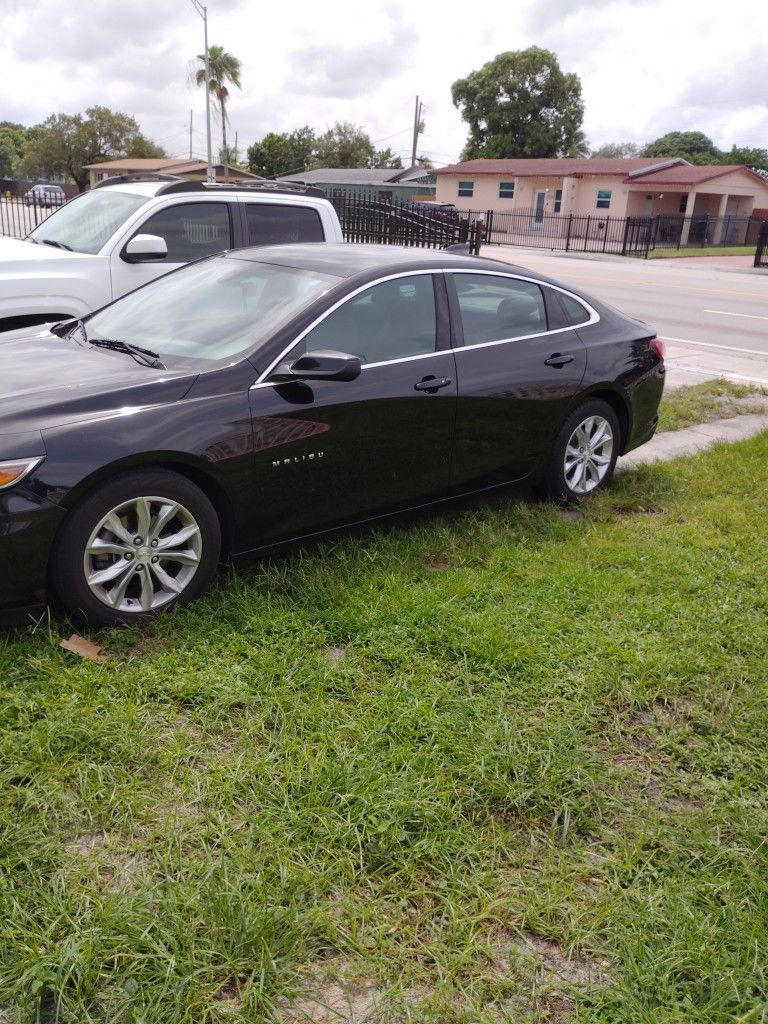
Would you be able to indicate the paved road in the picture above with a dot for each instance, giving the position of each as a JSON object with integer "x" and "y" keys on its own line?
{"x": 714, "y": 319}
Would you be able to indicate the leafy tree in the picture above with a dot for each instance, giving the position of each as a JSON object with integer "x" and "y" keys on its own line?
{"x": 13, "y": 141}
{"x": 521, "y": 104}
{"x": 289, "y": 153}
{"x": 424, "y": 161}
{"x": 223, "y": 67}
{"x": 344, "y": 145}
{"x": 65, "y": 143}
{"x": 8, "y": 157}
{"x": 751, "y": 157}
{"x": 386, "y": 158}
{"x": 696, "y": 147}
{"x": 616, "y": 151}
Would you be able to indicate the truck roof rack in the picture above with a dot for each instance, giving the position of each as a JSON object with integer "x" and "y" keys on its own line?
{"x": 172, "y": 183}
{"x": 123, "y": 179}
{"x": 273, "y": 187}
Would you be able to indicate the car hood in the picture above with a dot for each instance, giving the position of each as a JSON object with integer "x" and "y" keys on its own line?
{"x": 17, "y": 250}
{"x": 46, "y": 381}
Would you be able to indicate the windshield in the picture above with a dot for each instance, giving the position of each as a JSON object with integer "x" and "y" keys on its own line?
{"x": 210, "y": 311}
{"x": 86, "y": 223}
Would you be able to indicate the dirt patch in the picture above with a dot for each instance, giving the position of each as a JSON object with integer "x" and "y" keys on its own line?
{"x": 116, "y": 868}
{"x": 637, "y": 510}
{"x": 335, "y": 996}
{"x": 436, "y": 563}
{"x": 554, "y": 966}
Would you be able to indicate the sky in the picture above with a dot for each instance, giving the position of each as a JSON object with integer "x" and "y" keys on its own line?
{"x": 646, "y": 66}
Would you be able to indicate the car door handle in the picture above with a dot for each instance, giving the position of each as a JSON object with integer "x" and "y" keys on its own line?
{"x": 432, "y": 383}
{"x": 556, "y": 359}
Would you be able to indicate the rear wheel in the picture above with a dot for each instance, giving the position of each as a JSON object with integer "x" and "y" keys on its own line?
{"x": 584, "y": 454}
{"x": 135, "y": 546}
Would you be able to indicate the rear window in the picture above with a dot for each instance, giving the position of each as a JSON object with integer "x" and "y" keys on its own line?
{"x": 268, "y": 224}
{"x": 575, "y": 312}
{"x": 496, "y": 308}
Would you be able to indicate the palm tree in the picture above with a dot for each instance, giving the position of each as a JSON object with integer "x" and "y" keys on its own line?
{"x": 223, "y": 68}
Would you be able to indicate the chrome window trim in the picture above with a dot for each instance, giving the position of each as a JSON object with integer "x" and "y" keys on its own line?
{"x": 594, "y": 318}
{"x": 371, "y": 284}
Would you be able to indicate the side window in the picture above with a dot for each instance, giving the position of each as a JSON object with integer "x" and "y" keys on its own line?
{"x": 576, "y": 313}
{"x": 191, "y": 230}
{"x": 495, "y": 308}
{"x": 268, "y": 223}
{"x": 390, "y": 320}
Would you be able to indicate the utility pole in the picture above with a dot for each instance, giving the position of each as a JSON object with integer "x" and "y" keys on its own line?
{"x": 416, "y": 130}
{"x": 203, "y": 12}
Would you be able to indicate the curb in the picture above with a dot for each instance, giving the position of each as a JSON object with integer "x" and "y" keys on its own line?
{"x": 671, "y": 444}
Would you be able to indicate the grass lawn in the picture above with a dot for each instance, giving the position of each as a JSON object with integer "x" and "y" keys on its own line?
{"x": 504, "y": 765}
{"x": 710, "y": 400}
{"x": 709, "y": 250}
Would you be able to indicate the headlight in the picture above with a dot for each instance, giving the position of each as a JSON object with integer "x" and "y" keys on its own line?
{"x": 13, "y": 472}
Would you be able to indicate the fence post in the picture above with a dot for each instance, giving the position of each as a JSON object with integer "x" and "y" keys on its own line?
{"x": 568, "y": 233}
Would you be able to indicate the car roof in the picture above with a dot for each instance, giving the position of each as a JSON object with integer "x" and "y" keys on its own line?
{"x": 347, "y": 259}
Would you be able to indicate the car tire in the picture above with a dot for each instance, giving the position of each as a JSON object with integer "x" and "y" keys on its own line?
{"x": 584, "y": 453}
{"x": 134, "y": 546}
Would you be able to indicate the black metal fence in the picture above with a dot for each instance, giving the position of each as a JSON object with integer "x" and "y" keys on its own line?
{"x": 625, "y": 236}
{"x": 761, "y": 253}
{"x": 19, "y": 214}
{"x": 400, "y": 223}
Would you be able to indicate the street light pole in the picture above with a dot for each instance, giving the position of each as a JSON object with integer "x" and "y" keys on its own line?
{"x": 203, "y": 12}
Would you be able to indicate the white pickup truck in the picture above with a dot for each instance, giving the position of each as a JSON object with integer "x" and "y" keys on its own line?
{"x": 131, "y": 229}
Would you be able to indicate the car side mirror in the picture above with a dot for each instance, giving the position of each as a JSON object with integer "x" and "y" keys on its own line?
{"x": 145, "y": 249}
{"x": 322, "y": 364}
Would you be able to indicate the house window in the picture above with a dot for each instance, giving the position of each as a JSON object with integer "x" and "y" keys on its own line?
{"x": 506, "y": 190}
{"x": 604, "y": 199}
{"x": 466, "y": 189}
{"x": 558, "y": 199}
{"x": 683, "y": 202}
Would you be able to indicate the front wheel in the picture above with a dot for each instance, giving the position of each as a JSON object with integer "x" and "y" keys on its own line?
{"x": 584, "y": 453}
{"x": 135, "y": 546}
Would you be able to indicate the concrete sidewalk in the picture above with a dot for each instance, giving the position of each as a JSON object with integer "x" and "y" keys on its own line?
{"x": 673, "y": 443}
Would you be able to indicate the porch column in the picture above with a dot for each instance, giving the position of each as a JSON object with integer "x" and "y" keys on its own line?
{"x": 721, "y": 222}
{"x": 687, "y": 218}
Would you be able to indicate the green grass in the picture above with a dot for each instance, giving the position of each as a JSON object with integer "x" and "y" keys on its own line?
{"x": 506, "y": 764}
{"x": 709, "y": 250}
{"x": 710, "y": 400}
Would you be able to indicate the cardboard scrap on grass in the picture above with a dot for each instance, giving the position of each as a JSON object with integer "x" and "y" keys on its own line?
{"x": 83, "y": 648}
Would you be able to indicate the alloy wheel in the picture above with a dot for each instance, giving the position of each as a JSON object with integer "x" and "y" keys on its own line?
{"x": 142, "y": 554}
{"x": 588, "y": 454}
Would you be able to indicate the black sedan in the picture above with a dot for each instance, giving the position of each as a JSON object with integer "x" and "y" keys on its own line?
{"x": 270, "y": 394}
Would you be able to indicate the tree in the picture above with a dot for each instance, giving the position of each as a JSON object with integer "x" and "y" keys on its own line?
{"x": 289, "y": 153}
{"x": 386, "y": 158}
{"x": 695, "y": 147}
{"x": 616, "y": 151}
{"x": 8, "y": 157}
{"x": 520, "y": 104}
{"x": 751, "y": 157}
{"x": 223, "y": 67}
{"x": 344, "y": 145}
{"x": 65, "y": 143}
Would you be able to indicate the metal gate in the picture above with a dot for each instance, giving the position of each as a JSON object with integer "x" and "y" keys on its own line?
{"x": 761, "y": 255}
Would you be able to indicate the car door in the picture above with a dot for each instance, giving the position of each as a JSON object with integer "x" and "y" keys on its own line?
{"x": 191, "y": 230}
{"x": 332, "y": 452}
{"x": 518, "y": 366}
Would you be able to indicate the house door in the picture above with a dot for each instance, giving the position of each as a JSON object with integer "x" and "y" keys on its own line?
{"x": 538, "y": 210}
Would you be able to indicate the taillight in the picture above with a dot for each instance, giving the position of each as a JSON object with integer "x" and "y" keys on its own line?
{"x": 658, "y": 348}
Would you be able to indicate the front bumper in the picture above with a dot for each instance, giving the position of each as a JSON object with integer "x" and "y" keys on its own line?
{"x": 28, "y": 525}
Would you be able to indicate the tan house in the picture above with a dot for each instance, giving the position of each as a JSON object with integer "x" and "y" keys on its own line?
{"x": 194, "y": 170}
{"x": 636, "y": 187}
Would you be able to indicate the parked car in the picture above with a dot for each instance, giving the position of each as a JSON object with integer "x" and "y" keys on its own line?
{"x": 269, "y": 394}
{"x": 134, "y": 228}
{"x": 45, "y": 195}
{"x": 440, "y": 211}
